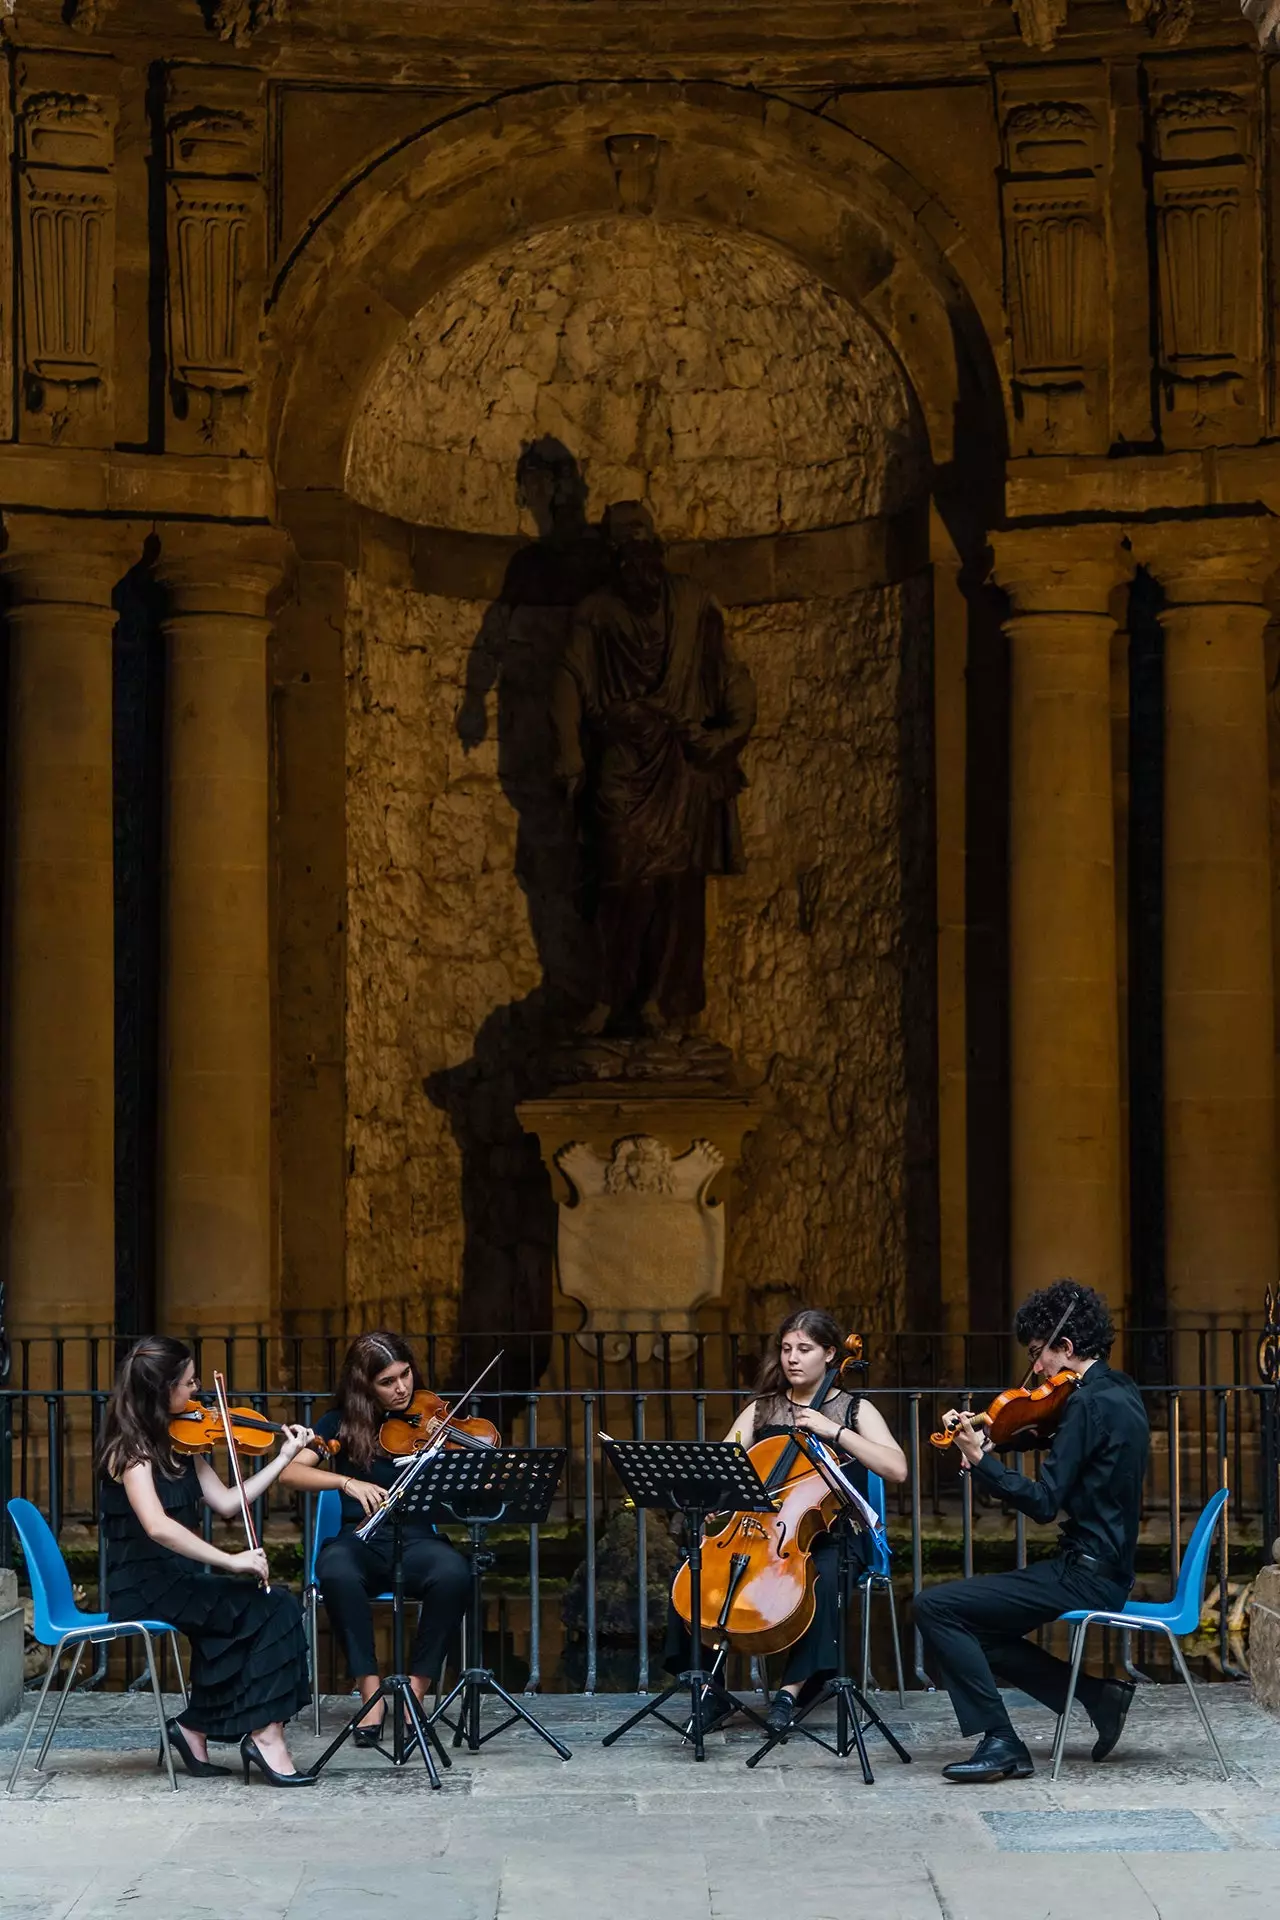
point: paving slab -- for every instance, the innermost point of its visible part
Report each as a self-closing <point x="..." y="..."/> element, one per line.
<point x="642" y="1831"/>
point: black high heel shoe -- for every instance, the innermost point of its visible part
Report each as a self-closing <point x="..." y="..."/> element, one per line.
<point x="178" y="1741"/>
<point x="250" y="1757"/>
<point x="370" y="1736"/>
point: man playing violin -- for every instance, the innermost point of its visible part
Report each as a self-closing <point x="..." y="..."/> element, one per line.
<point x="379" y="1378"/>
<point x="1093" y="1473"/>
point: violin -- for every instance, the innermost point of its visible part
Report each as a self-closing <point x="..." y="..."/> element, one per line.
<point x="427" y="1417"/>
<point x="758" y="1574"/>
<point x="1020" y="1416"/>
<point x="1024" y="1416"/>
<point x="198" y="1429"/>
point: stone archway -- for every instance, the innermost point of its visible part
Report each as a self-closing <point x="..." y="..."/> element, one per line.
<point x="862" y="238"/>
<point x="750" y="405"/>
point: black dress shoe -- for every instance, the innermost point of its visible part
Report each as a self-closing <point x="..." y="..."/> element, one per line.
<point x="997" y="1756"/>
<point x="1110" y="1715"/>
<point x="782" y="1711"/>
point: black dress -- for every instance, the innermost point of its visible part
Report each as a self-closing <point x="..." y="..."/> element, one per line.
<point x="248" y="1648"/>
<point x="352" y="1572"/>
<point x="815" y="1656"/>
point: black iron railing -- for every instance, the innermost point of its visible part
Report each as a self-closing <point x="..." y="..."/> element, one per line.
<point x="1204" y="1436"/>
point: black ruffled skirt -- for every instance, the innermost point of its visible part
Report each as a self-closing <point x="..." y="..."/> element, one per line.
<point x="248" y="1648"/>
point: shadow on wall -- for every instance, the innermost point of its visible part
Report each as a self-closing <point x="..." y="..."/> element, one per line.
<point x="509" y="1217"/>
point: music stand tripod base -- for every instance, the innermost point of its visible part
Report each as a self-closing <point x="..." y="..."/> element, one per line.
<point x="851" y="1701"/>
<point x="397" y="1690"/>
<point x="697" y="1478"/>
<point x="478" y="1489"/>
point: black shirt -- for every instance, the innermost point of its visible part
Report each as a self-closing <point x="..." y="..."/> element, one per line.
<point x="1093" y="1471"/>
<point x="381" y="1470"/>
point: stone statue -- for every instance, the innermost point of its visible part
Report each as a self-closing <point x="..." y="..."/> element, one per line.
<point x="650" y="713"/>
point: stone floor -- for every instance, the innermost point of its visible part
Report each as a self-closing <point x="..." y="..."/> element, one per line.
<point x="643" y="1831"/>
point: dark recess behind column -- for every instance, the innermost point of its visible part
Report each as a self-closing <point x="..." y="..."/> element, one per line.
<point x="138" y="758"/>
<point x="1146" y="973"/>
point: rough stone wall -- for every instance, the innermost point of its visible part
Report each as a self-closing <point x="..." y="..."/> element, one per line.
<point x="463" y="950"/>
<point x="711" y="377"/>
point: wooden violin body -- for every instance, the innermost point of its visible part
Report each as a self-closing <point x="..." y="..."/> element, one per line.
<point x="198" y="1429"/>
<point x="757" y="1571"/>
<point x="420" y="1422"/>
<point x="1021" y="1416"/>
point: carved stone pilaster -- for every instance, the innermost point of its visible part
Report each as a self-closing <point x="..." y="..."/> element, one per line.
<point x="1056" y="157"/>
<point x="217" y="250"/>
<point x="67" y="207"/>
<point x="1208" y="247"/>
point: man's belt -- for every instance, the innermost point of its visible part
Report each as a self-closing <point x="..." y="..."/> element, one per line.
<point x="1094" y="1563"/>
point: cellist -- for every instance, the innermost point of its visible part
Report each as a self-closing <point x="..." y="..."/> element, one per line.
<point x="802" y="1353"/>
<point x="1093" y="1472"/>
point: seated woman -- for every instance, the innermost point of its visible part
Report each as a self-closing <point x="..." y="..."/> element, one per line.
<point x="804" y="1348"/>
<point x="379" y="1376"/>
<point x="248" y="1648"/>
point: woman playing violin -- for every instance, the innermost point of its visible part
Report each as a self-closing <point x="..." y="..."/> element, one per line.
<point x="803" y="1353"/>
<point x="379" y="1378"/>
<point x="248" y="1648"/>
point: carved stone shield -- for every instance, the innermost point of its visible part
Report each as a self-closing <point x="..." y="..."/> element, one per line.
<point x="641" y="1245"/>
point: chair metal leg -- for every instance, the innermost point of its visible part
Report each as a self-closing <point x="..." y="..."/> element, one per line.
<point x="54" y="1661"/>
<point x="897" y="1643"/>
<point x="1060" y="1737"/>
<point x="864" y="1596"/>
<point x="158" y="1697"/>
<point x="63" y="1697"/>
<point x="177" y="1661"/>
<point x="313" y="1643"/>
<point x="1196" y="1701"/>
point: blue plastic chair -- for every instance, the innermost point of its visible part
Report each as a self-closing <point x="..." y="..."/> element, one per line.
<point x="1173" y="1618"/>
<point x="328" y="1521"/>
<point x="60" y="1623"/>
<point x="878" y="1578"/>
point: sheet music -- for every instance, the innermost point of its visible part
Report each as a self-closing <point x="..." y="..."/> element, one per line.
<point x="832" y="1471"/>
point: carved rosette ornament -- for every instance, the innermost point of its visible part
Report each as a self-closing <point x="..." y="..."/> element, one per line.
<point x="216" y="215"/>
<point x="1209" y="250"/>
<point x="642" y="1245"/>
<point x="1055" y="163"/>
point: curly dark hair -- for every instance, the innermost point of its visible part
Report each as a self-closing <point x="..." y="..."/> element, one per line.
<point x="368" y="1355"/>
<point x="1089" y="1329"/>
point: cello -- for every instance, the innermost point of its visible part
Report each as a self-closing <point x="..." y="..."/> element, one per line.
<point x="758" y="1573"/>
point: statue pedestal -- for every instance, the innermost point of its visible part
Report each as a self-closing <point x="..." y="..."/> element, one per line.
<point x="640" y="1165"/>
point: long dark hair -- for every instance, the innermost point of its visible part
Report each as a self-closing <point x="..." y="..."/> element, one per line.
<point x="361" y="1410"/>
<point x="771" y="1382"/>
<point x="135" y="1425"/>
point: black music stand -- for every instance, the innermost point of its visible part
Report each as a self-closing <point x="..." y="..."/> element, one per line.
<point x="696" y="1478"/>
<point x="479" y="1489"/>
<point x="850" y="1700"/>
<point x="403" y="1703"/>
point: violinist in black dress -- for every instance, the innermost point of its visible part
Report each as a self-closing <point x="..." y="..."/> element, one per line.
<point x="379" y="1377"/>
<point x="1093" y="1472"/>
<point x="248" y="1648"/>
<point x="802" y="1354"/>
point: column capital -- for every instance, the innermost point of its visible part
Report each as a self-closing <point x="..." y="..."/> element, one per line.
<point x="1060" y="569"/>
<point x="65" y="561"/>
<point x="1199" y="562"/>
<point x="222" y="569"/>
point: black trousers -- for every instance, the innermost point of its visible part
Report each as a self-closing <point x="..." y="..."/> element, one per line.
<point x="350" y="1572"/>
<point x="974" y="1631"/>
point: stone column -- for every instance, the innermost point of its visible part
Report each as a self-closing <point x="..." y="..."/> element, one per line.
<point x="215" y="1097"/>
<point x="1219" y="1019"/>
<point x="1064" y="1048"/>
<point x="58" y="967"/>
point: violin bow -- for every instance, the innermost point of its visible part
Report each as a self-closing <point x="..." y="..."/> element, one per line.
<point x="1054" y="1337"/>
<point x="414" y="1462"/>
<point x="224" y="1413"/>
